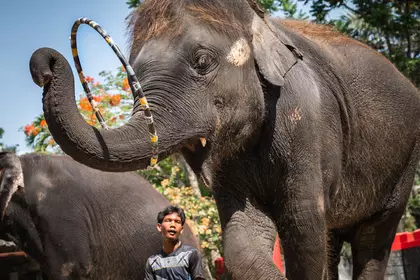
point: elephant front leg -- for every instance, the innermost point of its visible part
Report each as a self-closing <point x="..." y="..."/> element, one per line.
<point x="248" y="240"/>
<point x="303" y="235"/>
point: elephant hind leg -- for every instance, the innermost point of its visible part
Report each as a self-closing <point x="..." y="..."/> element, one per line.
<point x="371" y="246"/>
<point x="372" y="241"/>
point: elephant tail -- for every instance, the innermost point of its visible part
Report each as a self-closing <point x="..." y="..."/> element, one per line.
<point x="11" y="179"/>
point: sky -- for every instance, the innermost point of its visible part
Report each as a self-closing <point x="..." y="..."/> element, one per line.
<point x="29" y="25"/>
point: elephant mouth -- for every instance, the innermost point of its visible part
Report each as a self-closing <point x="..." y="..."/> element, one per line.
<point x="196" y="143"/>
<point x="196" y="151"/>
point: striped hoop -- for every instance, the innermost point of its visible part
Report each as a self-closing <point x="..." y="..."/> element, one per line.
<point x="139" y="98"/>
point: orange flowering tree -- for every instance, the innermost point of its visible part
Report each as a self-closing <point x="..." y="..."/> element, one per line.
<point x="115" y="102"/>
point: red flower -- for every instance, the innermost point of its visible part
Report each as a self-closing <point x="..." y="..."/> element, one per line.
<point x="43" y="123"/>
<point x="125" y="85"/>
<point x="89" y="79"/>
<point x="35" y="131"/>
<point x="84" y="104"/>
<point x="115" y="100"/>
<point x="97" y="98"/>
<point x="29" y="129"/>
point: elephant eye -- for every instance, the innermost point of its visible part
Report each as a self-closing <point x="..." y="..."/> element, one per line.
<point x="204" y="62"/>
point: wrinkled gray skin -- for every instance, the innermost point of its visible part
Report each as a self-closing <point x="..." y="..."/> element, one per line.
<point x="78" y="222"/>
<point x="319" y="148"/>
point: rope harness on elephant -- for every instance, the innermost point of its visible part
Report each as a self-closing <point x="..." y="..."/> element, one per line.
<point x="139" y="97"/>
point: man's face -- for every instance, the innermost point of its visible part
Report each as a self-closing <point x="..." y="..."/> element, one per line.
<point x="171" y="227"/>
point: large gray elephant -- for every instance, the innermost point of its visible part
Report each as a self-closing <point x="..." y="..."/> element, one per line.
<point x="78" y="222"/>
<point x="297" y="129"/>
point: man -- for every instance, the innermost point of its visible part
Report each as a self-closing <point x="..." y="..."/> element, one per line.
<point x="176" y="261"/>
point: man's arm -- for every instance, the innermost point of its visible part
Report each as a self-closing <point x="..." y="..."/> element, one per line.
<point x="148" y="272"/>
<point x="196" y="266"/>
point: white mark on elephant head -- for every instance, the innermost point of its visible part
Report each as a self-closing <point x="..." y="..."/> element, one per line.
<point x="239" y="52"/>
<point x="67" y="269"/>
<point x="296" y="115"/>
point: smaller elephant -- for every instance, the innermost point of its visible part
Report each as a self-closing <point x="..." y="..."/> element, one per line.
<point x="78" y="222"/>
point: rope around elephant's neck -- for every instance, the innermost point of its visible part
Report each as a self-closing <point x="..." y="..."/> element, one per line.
<point x="135" y="86"/>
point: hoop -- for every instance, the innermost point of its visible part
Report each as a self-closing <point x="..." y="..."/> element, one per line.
<point x="139" y="98"/>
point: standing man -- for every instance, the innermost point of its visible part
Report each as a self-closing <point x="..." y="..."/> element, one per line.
<point x="175" y="261"/>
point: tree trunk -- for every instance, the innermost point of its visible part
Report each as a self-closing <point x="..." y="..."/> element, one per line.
<point x="192" y="178"/>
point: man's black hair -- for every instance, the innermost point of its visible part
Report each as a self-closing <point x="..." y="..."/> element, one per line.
<point x="169" y="210"/>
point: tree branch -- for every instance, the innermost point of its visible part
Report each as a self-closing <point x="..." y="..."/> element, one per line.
<point x="407" y="29"/>
<point x="388" y="43"/>
<point x="348" y="8"/>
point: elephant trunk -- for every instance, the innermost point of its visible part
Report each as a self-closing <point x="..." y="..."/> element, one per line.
<point x="125" y="148"/>
<point x="11" y="177"/>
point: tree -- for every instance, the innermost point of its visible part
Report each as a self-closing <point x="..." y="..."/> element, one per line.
<point x="115" y="104"/>
<point x="3" y="147"/>
<point x="1" y="136"/>
<point x="390" y="27"/>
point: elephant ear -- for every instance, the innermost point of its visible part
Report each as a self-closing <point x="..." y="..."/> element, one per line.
<point x="274" y="57"/>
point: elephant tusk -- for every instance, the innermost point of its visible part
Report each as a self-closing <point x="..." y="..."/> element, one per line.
<point x="203" y="141"/>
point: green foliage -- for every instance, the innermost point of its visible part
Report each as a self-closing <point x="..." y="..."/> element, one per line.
<point x="1" y="136"/>
<point x="390" y="27"/>
<point x="133" y="3"/>
<point x="289" y="9"/>
<point x="3" y="147"/>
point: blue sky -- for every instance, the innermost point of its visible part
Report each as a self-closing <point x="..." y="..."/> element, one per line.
<point x="29" y="25"/>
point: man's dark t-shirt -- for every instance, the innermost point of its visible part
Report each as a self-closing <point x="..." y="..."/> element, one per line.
<point x="182" y="264"/>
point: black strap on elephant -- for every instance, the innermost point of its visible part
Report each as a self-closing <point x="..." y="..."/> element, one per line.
<point x="139" y="97"/>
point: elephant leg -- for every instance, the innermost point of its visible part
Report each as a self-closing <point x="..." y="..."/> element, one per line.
<point x="56" y="267"/>
<point x="303" y="235"/>
<point x="60" y="266"/>
<point x="66" y="256"/>
<point x="248" y="239"/>
<point x="335" y="243"/>
<point x="371" y="246"/>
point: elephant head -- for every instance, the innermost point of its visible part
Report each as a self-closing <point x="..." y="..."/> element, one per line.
<point x="11" y="177"/>
<point x="16" y="221"/>
<point x="203" y="66"/>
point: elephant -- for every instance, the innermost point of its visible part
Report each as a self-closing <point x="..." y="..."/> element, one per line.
<point x="78" y="222"/>
<point x="298" y="130"/>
